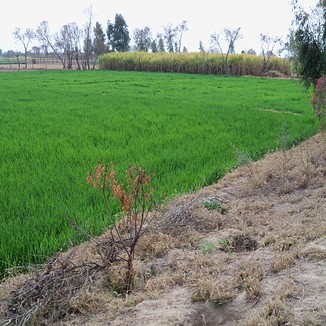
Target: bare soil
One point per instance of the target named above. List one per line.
(248, 250)
(37, 66)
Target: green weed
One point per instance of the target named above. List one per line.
(206, 247)
(215, 205)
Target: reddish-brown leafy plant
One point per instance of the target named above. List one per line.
(135, 197)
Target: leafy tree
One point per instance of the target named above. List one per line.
(118, 35)
(25, 38)
(154, 46)
(110, 36)
(143, 39)
(173, 36)
(36, 50)
(170, 33)
(99, 39)
(201, 46)
(161, 47)
(308, 41)
(251, 51)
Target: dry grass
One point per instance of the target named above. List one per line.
(248, 277)
(282, 261)
(154, 244)
(274, 313)
(314, 254)
(214, 290)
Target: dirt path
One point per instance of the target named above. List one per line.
(249, 250)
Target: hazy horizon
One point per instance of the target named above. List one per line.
(253, 16)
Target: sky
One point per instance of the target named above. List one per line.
(204, 17)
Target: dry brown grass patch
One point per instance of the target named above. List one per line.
(274, 313)
(163, 283)
(188, 212)
(289, 289)
(116, 277)
(90, 299)
(154, 244)
(314, 254)
(284, 173)
(248, 277)
(214, 290)
(282, 261)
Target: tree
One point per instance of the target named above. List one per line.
(47, 40)
(25, 38)
(118, 35)
(36, 51)
(201, 46)
(99, 39)
(77, 36)
(135, 197)
(251, 52)
(181, 29)
(154, 46)
(66, 42)
(170, 33)
(161, 47)
(88, 41)
(267, 44)
(143, 39)
(110, 35)
(230, 36)
(308, 41)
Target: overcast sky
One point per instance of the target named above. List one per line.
(204, 17)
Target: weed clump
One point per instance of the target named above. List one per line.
(213, 204)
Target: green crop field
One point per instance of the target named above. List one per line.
(57, 125)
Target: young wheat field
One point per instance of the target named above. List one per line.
(57, 125)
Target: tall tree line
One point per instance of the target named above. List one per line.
(82, 45)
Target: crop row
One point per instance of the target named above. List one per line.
(195, 63)
(57, 125)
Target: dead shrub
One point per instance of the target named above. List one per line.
(50, 293)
